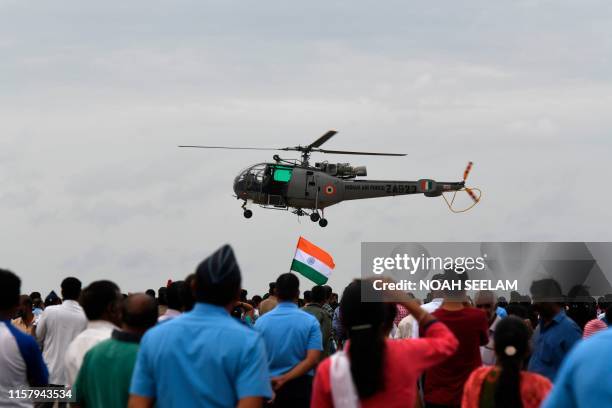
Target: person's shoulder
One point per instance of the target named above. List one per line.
(594, 347)
(308, 317)
(482, 370)
(24, 341)
(324, 367)
(534, 379)
(50, 310)
(102, 346)
(406, 320)
(569, 323)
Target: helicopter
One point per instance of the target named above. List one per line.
(294, 185)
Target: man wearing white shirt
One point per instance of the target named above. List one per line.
(408, 327)
(57, 326)
(101, 301)
(486, 300)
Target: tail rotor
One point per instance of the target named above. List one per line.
(468, 190)
(474, 193)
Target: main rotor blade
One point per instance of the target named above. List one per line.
(357, 153)
(323, 139)
(230, 147)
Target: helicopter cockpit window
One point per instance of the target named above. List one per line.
(282, 174)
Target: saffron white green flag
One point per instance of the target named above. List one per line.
(312, 262)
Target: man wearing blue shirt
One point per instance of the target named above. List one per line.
(585, 377)
(293, 343)
(21, 362)
(204, 358)
(555, 334)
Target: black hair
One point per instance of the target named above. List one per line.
(256, 300)
(287, 287)
(328, 291)
(366, 324)
(150, 292)
(319, 294)
(173, 295)
(271, 289)
(516, 309)
(25, 299)
(71, 288)
(454, 285)
(511, 347)
(98, 297)
(35, 295)
(162, 296)
(307, 296)
(139, 314)
(10, 287)
(186, 293)
(220, 293)
(546, 290)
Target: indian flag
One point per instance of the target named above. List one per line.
(426, 185)
(312, 262)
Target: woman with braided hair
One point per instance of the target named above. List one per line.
(373, 370)
(506, 385)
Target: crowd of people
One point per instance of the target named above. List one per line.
(203, 342)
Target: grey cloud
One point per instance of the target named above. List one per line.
(94, 98)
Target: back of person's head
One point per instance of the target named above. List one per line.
(37, 303)
(511, 347)
(318, 294)
(243, 295)
(173, 295)
(516, 309)
(218, 278)
(435, 293)
(35, 295)
(162, 296)
(139, 312)
(328, 292)
(100, 300)
(271, 289)
(150, 292)
(287, 287)
(256, 300)
(307, 296)
(187, 293)
(453, 288)
(366, 324)
(546, 290)
(25, 302)
(71, 288)
(10, 288)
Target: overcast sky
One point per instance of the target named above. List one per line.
(95, 97)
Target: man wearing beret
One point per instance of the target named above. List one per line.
(204, 358)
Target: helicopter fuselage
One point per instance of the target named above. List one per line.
(300, 187)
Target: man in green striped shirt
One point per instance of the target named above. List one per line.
(105, 376)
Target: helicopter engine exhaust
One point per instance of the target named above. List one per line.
(342, 170)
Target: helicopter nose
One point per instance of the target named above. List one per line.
(239, 189)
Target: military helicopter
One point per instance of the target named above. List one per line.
(294, 185)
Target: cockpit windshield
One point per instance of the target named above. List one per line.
(264, 178)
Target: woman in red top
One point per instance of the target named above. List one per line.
(377, 371)
(505, 385)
